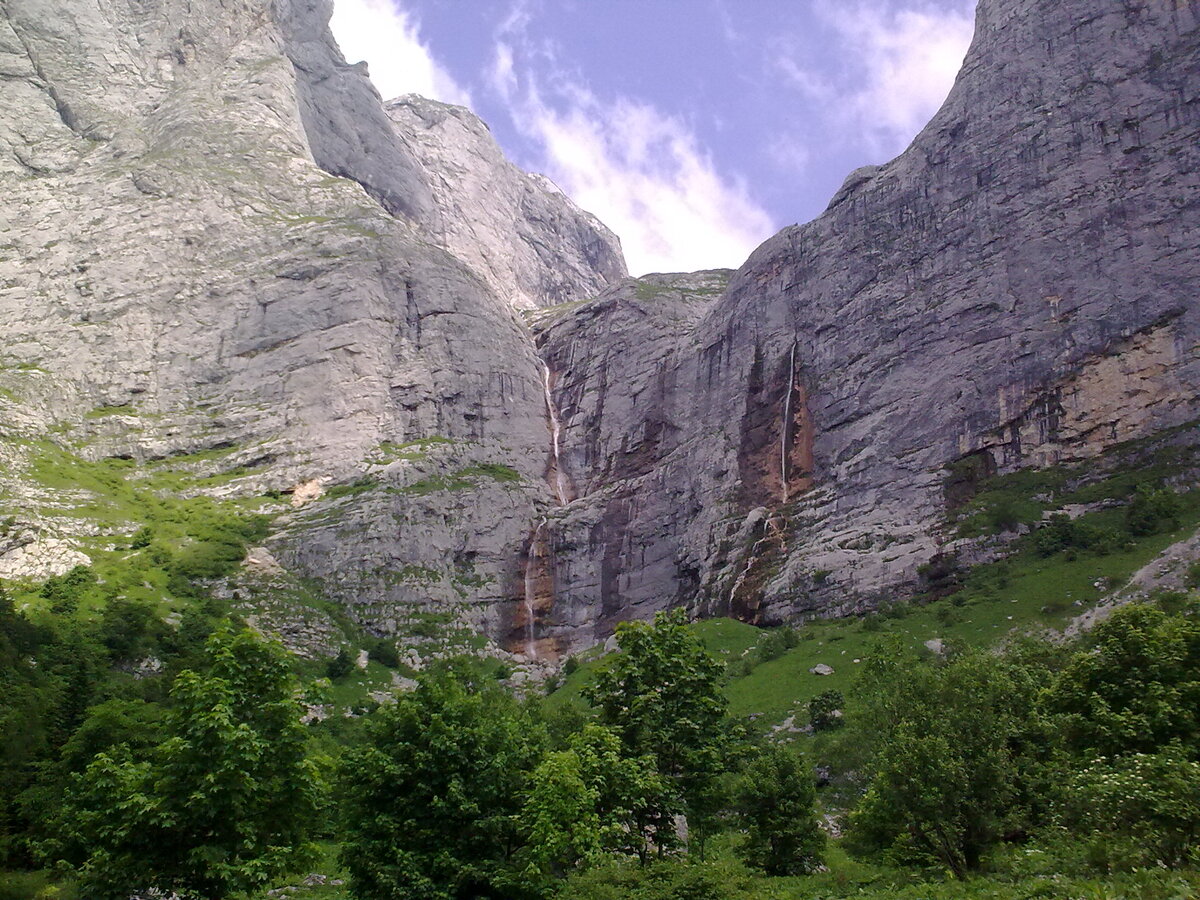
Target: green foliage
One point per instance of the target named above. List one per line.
(221, 805)
(63, 592)
(1143, 809)
(824, 710)
(433, 797)
(774, 801)
(1152, 510)
(351, 489)
(340, 666)
(946, 764)
(666, 879)
(1062, 533)
(1137, 687)
(661, 695)
(590, 800)
(383, 651)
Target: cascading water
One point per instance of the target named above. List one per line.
(787, 419)
(537, 553)
(751, 558)
(531, 563)
(562, 486)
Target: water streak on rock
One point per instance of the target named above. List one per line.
(531, 563)
(785, 427)
(560, 482)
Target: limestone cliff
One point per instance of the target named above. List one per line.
(219, 250)
(223, 258)
(1020, 284)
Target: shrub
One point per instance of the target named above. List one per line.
(1152, 510)
(63, 592)
(771, 645)
(1145, 806)
(775, 807)
(821, 709)
(383, 651)
(340, 666)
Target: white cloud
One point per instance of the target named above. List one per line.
(389, 40)
(911, 58)
(640, 171)
(900, 61)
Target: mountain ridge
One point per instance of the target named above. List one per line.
(240, 248)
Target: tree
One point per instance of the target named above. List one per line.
(221, 805)
(947, 762)
(825, 710)
(1135, 688)
(1152, 510)
(774, 797)
(433, 796)
(340, 666)
(661, 695)
(590, 800)
(1144, 807)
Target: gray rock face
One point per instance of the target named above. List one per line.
(519, 232)
(1019, 285)
(211, 236)
(344, 123)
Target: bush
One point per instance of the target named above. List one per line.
(1145, 807)
(340, 666)
(821, 709)
(142, 539)
(1152, 510)
(666, 879)
(775, 798)
(1056, 534)
(1062, 533)
(771, 645)
(63, 592)
(383, 651)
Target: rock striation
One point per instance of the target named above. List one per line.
(519, 232)
(214, 240)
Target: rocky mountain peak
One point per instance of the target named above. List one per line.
(228, 269)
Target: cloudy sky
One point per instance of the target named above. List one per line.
(695, 129)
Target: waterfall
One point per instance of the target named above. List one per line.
(561, 485)
(531, 591)
(751, 558)
(787, 417)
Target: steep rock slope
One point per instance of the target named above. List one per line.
(215, 241)
(1018, 287)
(525, 237)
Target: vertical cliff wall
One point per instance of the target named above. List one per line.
(1020, 283)
(215, 241)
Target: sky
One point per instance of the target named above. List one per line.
(694, 129)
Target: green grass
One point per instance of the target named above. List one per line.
(185, 537)
(1024, 593)
(353, 691)
(1022, 497)
(463, 479)
(101, 412)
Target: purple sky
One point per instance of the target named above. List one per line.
(693, 128)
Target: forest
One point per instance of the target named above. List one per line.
(1050, 769)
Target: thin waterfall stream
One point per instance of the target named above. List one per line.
(561, 485)
(787, 416)
(531, 562)
(535, 558)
